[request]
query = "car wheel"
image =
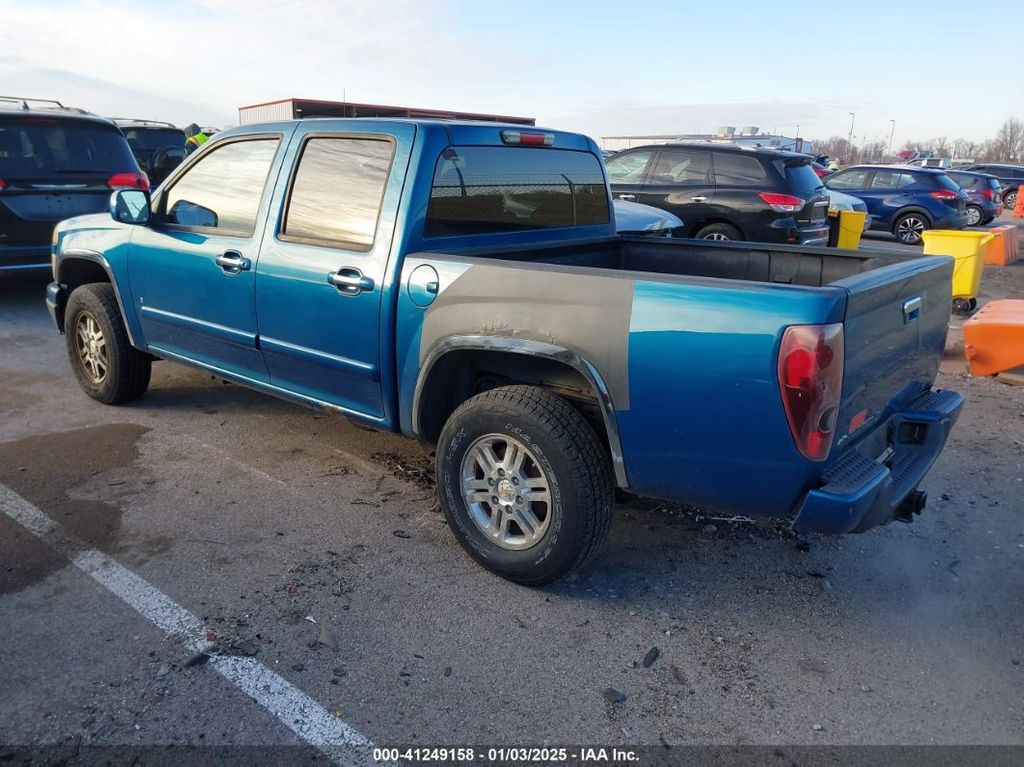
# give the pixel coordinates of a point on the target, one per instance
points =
(722, 232)
(909, 226)
(525, 484)
(975, 215)
(108, 368)
(1010, 200)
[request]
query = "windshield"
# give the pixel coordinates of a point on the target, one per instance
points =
(151, 139)
(45, 147)
(484, 190)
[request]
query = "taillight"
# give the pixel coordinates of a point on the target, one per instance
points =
(782, 203)
(811, 381)
(944, 194)
(521, 138)
(1, 183)
(988, 194)
(129, 180)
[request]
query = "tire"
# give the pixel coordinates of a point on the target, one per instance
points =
(908, 227)
(1010, 200)
(555, 455)
(722, 232)
(108, 368)
(975, 216)
(962, 306)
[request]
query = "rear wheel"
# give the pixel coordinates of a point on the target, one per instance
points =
(1010, 200)
(909, 227)
(975, 215)
(721, 232)
(108, 368)
(525, 484)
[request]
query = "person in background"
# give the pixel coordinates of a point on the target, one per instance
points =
(194, 138)
(833, 165)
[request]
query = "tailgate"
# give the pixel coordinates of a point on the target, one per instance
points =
(895, 335)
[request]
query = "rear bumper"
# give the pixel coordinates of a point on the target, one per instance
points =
(860, 493)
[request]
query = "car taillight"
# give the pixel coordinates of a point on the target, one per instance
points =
(1, 183)
(782, 203)
(988, 194)
(944, 194)
(811, 381)
(129, 180)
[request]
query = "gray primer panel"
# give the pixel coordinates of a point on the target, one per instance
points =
(586, 313)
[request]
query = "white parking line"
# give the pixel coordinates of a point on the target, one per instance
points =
(289, 705)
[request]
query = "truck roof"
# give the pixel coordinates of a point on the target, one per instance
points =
(460, 132)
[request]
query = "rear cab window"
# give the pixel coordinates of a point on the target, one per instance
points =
(33, 147)
(488, 190)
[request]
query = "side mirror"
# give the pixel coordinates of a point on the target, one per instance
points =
(130, 206)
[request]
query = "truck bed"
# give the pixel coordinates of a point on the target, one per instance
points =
(759, 262)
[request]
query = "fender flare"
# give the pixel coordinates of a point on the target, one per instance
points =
(530, 348)
(96, 257)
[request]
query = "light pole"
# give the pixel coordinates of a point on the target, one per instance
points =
(849, 140)
(796, 139)
(892, 130)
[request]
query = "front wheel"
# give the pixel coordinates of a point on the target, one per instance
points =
(1010, 200)
(525, 484)
(909, 227)
(108, 368)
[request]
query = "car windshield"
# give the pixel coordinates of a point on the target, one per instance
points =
(34, 147)
(480, 190)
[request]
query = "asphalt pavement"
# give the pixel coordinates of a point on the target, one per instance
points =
(320, 591)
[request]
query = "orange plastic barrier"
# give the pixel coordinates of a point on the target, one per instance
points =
(1018, 209)
(994, 337)
(1004, 247)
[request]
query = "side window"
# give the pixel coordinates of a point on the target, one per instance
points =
(223, 190)
(886, 179)
(337, 191)
(628, 168)
(907, 179)
(737, 169)
(682, 167)
(851, 179)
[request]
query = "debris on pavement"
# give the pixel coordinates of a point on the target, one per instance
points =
(651, 656)
(614, 697)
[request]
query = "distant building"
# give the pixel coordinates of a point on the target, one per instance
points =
(747, 136)
(290, 109)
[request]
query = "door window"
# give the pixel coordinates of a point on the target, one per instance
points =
(222, 190)
(337, 191)
(887, 179)
(738, 170)
(682, 167)
(851, 179)
(628, 168)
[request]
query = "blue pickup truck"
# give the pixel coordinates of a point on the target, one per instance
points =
(462, 283)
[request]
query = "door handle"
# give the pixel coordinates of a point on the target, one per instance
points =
(627, 196)
(350, 281)
(233, 262)
(699, 198)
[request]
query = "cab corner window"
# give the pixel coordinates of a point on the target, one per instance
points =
(337, 191)
(223, 190)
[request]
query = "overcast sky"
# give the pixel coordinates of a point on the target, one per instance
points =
(603, 68)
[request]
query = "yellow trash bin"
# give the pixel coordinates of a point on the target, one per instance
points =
(851, 226)
(968, 250)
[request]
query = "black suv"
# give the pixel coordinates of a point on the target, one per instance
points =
(55, 163)
(1010, 178)
(159, 147)
(727, 192)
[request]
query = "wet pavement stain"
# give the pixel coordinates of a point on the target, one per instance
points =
(44, 470)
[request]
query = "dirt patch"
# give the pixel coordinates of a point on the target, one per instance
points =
(419, 470)
(45, 470)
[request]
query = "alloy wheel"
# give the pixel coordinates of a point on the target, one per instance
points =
(506, 491)
(909, 230)
(92, 347)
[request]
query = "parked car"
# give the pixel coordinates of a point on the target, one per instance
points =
(158, 146)
(1010, 178)
(905, 199)
(842, 201)
(984, 202)
(727, 192)
(635, 218)
(462, 283)
(821, 171)
(55, 162)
